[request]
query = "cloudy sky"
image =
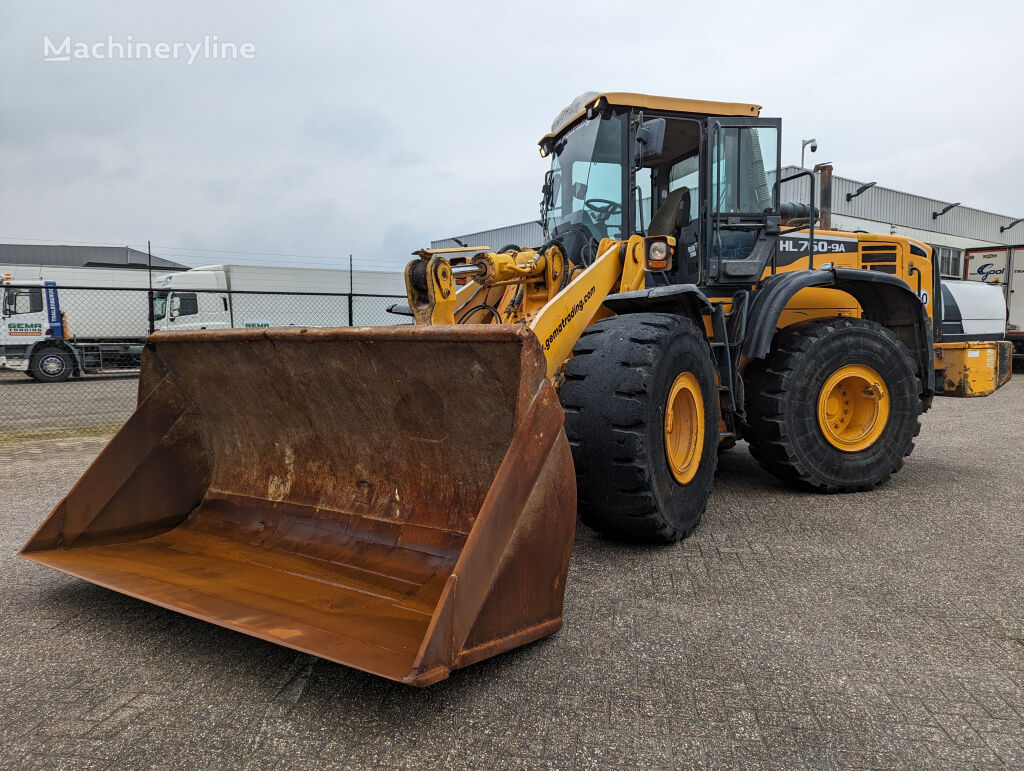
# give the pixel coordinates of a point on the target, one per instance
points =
(370, 128)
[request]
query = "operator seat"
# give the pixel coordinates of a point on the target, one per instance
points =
(672, 215)
(673, 219)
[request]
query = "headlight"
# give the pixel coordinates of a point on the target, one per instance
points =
(658, 255)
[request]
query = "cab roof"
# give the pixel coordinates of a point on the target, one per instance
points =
(578, 107)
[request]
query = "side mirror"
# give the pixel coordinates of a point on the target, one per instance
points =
(175, 307)
(650, 139)
(579, 190)
(552, 187)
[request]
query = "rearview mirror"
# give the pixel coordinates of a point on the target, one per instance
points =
(650, 139)
(551, 189)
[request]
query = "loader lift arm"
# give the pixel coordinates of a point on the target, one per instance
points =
(532, 289)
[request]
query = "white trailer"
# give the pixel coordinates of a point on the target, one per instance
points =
(1003, 267)
(66, 276)
(241, 296)
(53, 328)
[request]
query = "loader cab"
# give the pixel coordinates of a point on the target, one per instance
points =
(673, 167)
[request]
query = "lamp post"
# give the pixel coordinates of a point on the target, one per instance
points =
(813, 143)
(860, 190)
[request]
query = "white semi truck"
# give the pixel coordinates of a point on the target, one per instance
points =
(225, 296)
(56, 325)
(1003, 267)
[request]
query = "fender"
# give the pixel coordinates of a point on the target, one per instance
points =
(61, 345)
(682, 299)
(884, 298)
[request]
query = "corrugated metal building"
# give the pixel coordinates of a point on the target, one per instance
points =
(876, 210)
(82, 257)
(524, 234)
(881, 209)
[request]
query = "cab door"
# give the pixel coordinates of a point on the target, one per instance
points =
(740, 215)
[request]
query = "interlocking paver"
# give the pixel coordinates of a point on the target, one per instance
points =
(792, 630)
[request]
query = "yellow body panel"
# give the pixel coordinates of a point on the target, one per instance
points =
(874, 252)
(817, 303)
(665, 103)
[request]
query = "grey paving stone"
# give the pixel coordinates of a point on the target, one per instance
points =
(875, 630)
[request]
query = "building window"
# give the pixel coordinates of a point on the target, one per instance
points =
(950, 261)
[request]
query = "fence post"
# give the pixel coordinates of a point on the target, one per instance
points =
(149, 293)
(351, 289)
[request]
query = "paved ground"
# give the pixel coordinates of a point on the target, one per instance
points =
(873, 630)
(48, 409)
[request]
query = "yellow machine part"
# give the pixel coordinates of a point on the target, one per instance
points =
(818, 303)
(972, 368)
(853, 408)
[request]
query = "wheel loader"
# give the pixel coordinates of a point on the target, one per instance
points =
(403, 500)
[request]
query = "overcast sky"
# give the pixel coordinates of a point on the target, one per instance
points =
(372, 128)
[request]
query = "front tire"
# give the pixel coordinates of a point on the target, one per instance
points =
(834, 406)
(641, 415)
(51, 365)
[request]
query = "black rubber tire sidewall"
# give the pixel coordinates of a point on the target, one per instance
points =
(795, 448)
(43, 377)
(681, 504)
(615, 393)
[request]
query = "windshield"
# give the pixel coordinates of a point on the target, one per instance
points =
(584, 185)
(160, 304)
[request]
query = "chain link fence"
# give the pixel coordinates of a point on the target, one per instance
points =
(69, 356)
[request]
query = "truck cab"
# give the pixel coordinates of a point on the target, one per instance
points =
(31, 330)
(195, 299)
(704, 173)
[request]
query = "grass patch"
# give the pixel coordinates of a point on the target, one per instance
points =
(68, 432)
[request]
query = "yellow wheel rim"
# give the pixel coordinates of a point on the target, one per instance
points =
(853, 408)
(684, 427)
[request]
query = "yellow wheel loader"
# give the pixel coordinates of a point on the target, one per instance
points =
(403, 500)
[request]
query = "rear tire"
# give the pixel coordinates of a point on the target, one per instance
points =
(787, 405)
(617, 388)
(51, 365)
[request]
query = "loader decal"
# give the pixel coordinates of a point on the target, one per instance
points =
(575, 309)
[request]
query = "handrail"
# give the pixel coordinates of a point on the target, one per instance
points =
(810, 242)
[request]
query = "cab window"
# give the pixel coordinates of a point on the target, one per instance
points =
(743, 166)
(686, 173)
(185, 304)
(18, 301)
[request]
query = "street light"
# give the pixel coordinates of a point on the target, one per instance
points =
(803, 146)
(937, 214)
(861, 189)
(1003, 228)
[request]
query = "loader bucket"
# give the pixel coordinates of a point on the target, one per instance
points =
(396, 499)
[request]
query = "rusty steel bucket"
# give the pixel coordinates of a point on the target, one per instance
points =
(396, 499)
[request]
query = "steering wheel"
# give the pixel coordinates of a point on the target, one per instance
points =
(603, 208)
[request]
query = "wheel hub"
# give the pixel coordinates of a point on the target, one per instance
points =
(52, 365)
(684, 427)
(853, 408)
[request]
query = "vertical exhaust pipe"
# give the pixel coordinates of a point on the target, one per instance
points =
(824, 172)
